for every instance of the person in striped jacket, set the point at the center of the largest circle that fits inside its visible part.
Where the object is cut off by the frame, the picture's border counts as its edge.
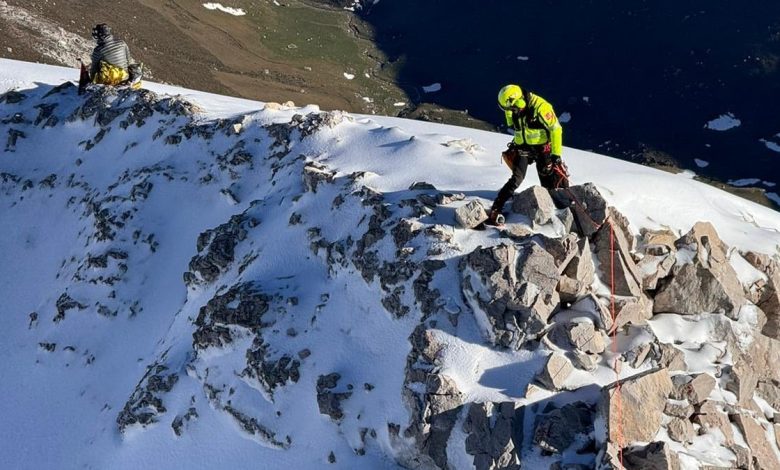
(112, 63)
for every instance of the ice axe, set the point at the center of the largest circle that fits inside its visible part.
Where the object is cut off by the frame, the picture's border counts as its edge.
(83, 77)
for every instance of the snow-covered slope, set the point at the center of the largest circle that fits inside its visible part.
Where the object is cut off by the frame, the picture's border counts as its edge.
(196, 281)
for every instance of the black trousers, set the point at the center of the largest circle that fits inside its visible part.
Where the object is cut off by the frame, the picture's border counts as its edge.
(519, 158)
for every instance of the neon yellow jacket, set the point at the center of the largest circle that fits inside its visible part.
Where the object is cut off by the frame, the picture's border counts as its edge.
(537, 125)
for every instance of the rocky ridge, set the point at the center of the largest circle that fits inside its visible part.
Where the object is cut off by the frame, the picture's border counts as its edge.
(542, 288)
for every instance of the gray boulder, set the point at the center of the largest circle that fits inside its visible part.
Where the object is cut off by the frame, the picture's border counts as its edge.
(653, 456)
(490, 429)
(555, 372)
(590, 208)
(638, 411)
(536, 204)
(470, 214)
(707, 283)
(612, 245)
(769, 297)
(514, 286)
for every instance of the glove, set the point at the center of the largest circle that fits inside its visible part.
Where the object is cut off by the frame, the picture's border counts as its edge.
(551, 162)
(512, 145)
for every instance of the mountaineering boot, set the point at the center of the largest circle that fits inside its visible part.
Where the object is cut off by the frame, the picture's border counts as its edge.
(495, 218)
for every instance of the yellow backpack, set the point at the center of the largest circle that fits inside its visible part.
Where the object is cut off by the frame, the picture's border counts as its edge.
(110, 75)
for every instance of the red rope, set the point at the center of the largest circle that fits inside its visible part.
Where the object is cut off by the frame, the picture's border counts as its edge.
(615, 367)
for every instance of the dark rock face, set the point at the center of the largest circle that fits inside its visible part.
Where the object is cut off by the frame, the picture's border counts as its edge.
(494, 435)
(253, 427)
(179, 422)
(328, 400)
(217, 316)
(556, 431)
(270, 373)
(145, 405)
(656, 455)
(65, 303)
(216, 249)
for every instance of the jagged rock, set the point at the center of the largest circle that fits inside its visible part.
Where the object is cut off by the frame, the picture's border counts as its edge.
(243, 305)
(671, 358)
(270, 373)
(536, 204)
(516, 232)
(555, 372)
(585, 361)
(653, 268)
(769, 298)
(658, 242)
(743, 380)
(145, 404)
(537, 276)
(632, 311)
(443, 394)
(612, 245)
(764, 455)
(13, 136)
(744, 457)
(329, 401)
(708, 283)
(581, 265)
(253, 427)
(569, 289)
(680, 430)
(491, 437)
(591, 306)
(556, 431)
(710, 417)
(699, 388)
(180, 421)
(434, 411)
(422, 186)
(65, 303)
(586, 338)
(609, 458)
(682, 410)
(777, 434)
(219, 245)
(314, 174)
(448, 198)
(470, 214)
(763, 355)
(563, 250)
(641, 405)
(636, 357)
(405, 230)
(590, 213)
(770, 392)
(313, 122)
(515, 291)
(653, 456)
(12, 97)
(566, 216)
(428, 299)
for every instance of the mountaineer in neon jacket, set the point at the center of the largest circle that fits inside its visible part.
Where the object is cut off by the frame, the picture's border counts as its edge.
(538, 138)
